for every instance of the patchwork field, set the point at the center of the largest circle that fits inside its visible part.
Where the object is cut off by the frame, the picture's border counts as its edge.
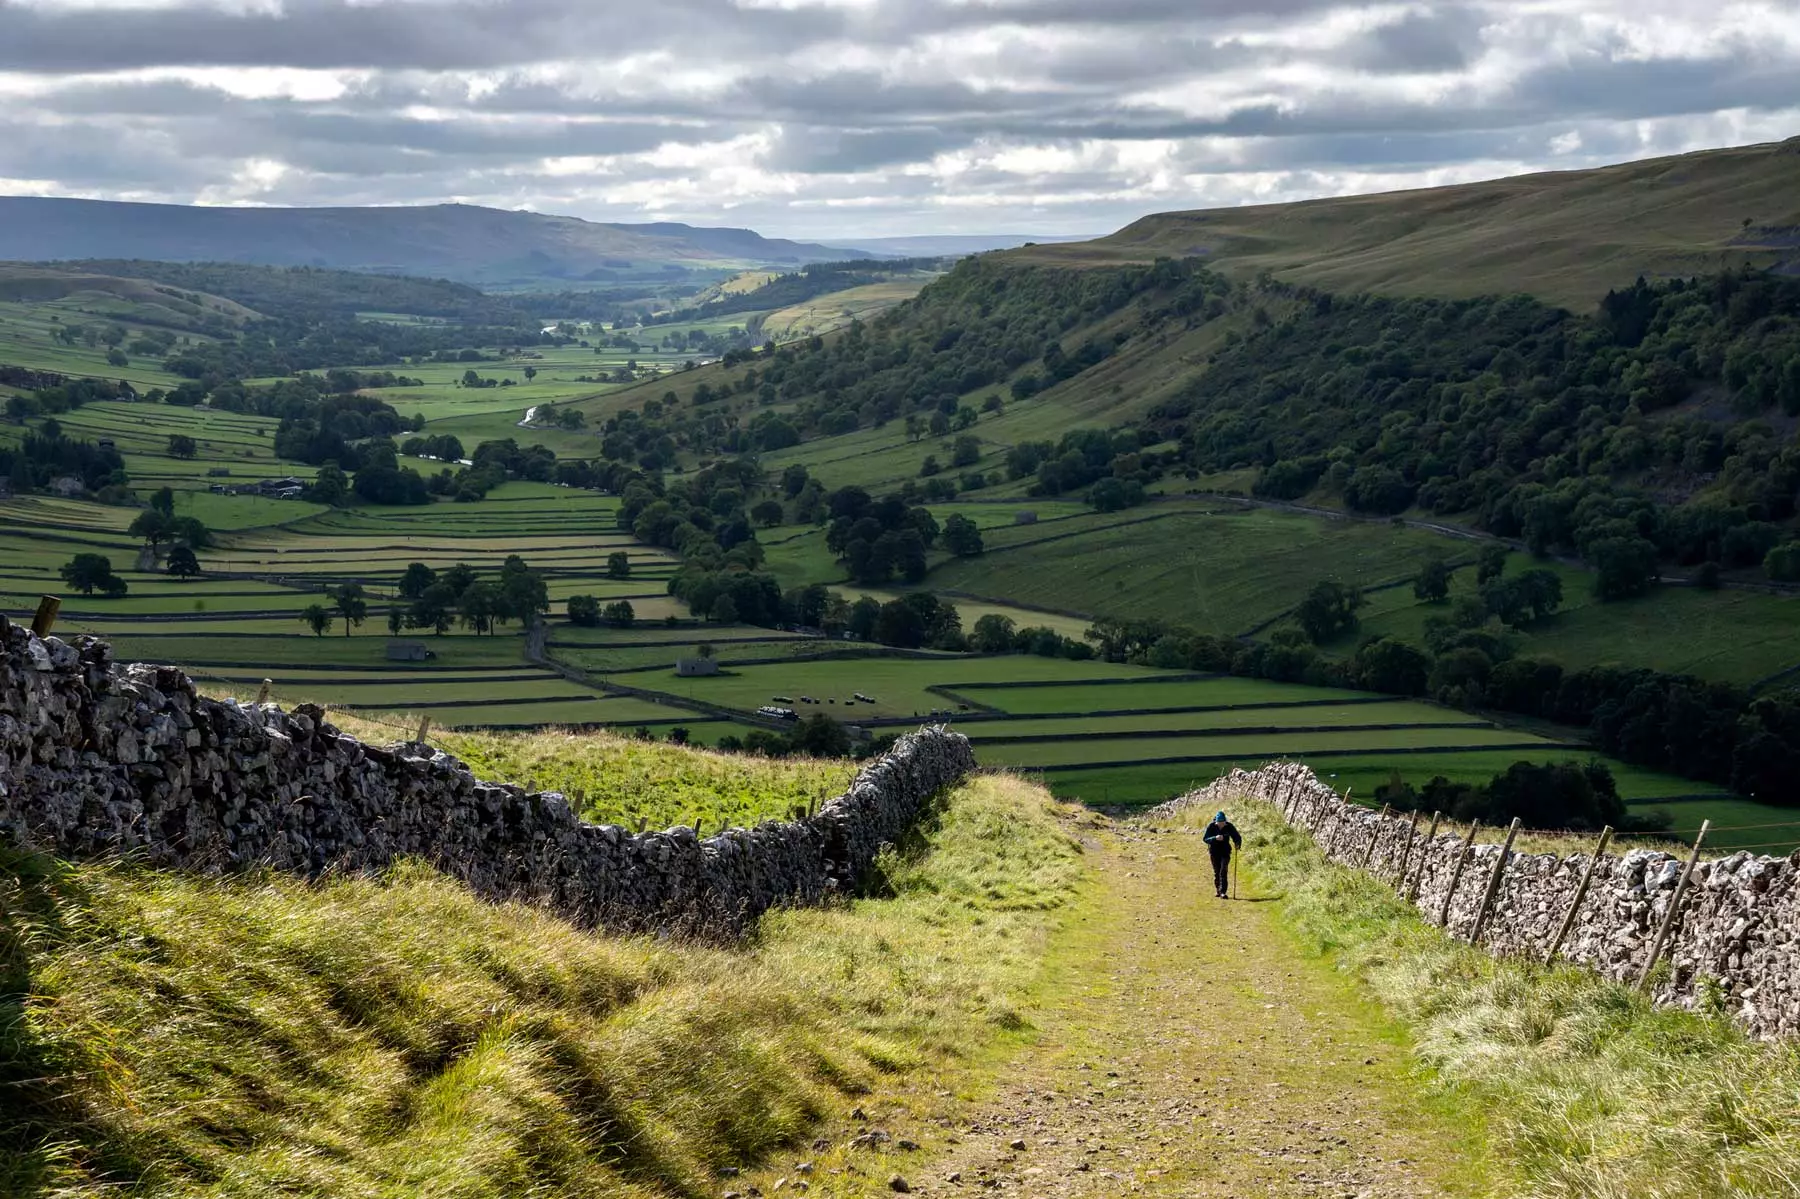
(1221, 570)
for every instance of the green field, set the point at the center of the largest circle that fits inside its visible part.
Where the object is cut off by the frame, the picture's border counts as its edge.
(1135, 733)
(1733, 636)
(1219, 571)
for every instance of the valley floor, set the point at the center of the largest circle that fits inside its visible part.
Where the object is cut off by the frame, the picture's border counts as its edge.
(1186, 1047)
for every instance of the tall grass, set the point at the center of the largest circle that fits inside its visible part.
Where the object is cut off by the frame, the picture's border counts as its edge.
(618, 780)
(177, 1035)
(1592, 1091)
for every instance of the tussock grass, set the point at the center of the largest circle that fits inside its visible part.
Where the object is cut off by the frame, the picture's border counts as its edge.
(618, 780)
(1592, 1091)
(170, 1034)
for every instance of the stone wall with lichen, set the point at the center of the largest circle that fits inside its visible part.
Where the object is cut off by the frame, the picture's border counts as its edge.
(1735, 938)
(98, 759)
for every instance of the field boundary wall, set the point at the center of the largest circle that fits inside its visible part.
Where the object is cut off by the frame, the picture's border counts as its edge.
(1735, 940)
(99, 759)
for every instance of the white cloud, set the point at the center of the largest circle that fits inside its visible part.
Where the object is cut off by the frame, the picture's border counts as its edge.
(818, 118)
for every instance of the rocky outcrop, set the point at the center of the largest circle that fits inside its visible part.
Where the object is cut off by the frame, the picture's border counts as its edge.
(101, 759)
(1735, 938)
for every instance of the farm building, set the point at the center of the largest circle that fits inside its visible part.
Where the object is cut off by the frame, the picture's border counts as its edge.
(689, 668)
(407, 651)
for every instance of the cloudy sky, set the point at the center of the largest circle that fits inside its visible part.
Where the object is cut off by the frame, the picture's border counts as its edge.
(818, 118)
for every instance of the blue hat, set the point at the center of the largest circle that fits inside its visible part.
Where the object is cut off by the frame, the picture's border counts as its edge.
(1219, 816)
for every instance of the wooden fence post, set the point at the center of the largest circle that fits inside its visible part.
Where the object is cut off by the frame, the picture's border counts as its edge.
(424, 730)
(262, 692)
(1374, 836)
(1587, 876)
(1493, 887)
(1412, 893)
(1462, 858)
(45, 620)
(1668, 920)
(1412, 831)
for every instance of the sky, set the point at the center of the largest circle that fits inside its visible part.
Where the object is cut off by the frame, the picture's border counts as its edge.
(864, 118)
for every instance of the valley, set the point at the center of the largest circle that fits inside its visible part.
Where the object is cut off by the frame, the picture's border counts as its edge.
(1092, 428)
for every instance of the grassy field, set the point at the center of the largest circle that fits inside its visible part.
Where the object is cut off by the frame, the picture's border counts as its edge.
(1732, 636)
(615, 780)
(1589, 230)
(364, 1036)
(1219, 571)
(837, 309)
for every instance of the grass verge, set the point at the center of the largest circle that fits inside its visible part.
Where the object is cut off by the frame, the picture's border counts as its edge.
(1591, 1090)
(176, 1035)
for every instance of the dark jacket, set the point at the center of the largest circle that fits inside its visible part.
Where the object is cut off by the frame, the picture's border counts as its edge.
(1221, 837)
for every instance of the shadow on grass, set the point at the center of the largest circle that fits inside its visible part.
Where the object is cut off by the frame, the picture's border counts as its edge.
(44, 1131)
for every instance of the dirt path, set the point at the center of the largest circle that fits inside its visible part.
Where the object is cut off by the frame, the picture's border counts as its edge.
(1187, 1049)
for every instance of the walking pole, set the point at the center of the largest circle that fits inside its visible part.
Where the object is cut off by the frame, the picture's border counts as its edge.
(1234, 865)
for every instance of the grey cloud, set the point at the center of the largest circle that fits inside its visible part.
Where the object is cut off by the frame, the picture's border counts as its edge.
(551, 90)
(1443, 39)
(341, 33)
(833, 151)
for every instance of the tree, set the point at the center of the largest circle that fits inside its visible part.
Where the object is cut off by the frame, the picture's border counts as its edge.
(330, 486)
(767, 513)
(350, 605)
(1432, 584)
(1328, 610)
(182, 562)
(190, 531)
(1491, 563)
(962, 536)
(618, 565)
(482, 607)
(620, 614)
(967, 449)
(182, 446)
(396, 620)
(993, 633)
(724, 610)
(318, 618)
(1624, 566)
(530, 373)
(1392, 667)
(584, 610)
(415, 579)
(88, 573)
(819, 736)
(152, 526)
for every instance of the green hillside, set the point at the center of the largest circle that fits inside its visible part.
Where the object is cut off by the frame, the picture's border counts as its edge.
(1027, 473)
(1567, 237)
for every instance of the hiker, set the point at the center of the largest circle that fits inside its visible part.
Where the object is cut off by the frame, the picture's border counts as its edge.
(1221, 835)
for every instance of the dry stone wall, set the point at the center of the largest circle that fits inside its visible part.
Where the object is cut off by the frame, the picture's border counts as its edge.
(1737, 930)
(98, 758)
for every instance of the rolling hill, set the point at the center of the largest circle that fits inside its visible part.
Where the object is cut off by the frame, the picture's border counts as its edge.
(455, 241)
(1566, 237)
(151, 303)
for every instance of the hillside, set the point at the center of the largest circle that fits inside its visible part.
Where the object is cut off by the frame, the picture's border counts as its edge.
(104, 291)
(1566, 237)
(455, 241)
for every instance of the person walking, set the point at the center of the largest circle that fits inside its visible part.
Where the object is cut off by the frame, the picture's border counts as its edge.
(1221, 836)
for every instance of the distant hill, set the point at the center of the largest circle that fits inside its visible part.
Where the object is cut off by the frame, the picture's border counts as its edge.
(454, 241)
(145, 300)
(946, 247)
(1568, 237)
